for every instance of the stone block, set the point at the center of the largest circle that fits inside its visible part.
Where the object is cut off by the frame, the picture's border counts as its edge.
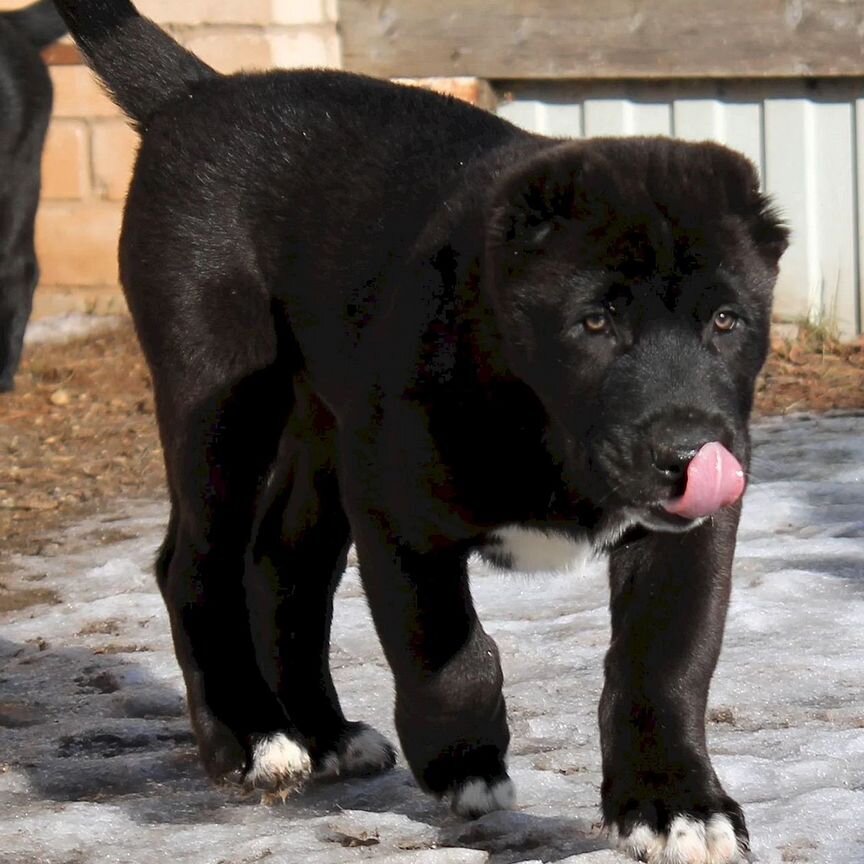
(77, 242)
(66, 161)
(114, 147)
(303, 47)
(77, 93)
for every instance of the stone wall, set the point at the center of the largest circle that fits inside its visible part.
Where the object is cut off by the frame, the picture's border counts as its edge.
(90, 148)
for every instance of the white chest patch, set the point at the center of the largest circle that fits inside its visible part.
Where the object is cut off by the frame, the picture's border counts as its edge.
(530, 550)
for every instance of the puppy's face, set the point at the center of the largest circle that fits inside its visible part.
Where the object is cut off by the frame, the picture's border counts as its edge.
(632, 282)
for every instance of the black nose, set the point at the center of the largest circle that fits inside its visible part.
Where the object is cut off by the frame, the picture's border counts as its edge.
(671, 461)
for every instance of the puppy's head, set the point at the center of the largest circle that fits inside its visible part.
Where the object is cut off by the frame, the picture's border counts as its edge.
(632, 282)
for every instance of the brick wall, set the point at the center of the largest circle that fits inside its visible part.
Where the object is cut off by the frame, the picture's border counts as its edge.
(90, 149)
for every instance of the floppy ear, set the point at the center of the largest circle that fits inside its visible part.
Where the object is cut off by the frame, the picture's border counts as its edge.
(767, 229)
(528, 202)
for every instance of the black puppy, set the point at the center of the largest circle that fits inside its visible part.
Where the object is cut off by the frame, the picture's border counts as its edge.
(25, 107)
(376, 313)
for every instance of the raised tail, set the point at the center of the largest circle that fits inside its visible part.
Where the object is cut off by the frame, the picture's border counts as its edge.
(40, 23)
(141, 66)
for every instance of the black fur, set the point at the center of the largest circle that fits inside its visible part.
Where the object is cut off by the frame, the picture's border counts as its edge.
(366, 311)
(25, 107)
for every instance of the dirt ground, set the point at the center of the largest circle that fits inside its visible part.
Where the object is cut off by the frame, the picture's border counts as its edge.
(79, 431)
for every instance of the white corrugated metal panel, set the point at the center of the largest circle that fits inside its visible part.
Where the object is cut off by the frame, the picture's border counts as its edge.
(858, 188)
(806, 138)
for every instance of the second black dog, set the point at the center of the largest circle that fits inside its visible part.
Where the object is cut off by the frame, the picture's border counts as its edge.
(25, 107)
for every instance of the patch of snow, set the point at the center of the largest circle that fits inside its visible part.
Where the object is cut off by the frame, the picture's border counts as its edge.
(63, 328)
(97, 763)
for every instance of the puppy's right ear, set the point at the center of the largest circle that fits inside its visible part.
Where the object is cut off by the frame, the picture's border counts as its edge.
(534, 200)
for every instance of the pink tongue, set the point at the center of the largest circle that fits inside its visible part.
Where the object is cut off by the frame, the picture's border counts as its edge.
(714, 479)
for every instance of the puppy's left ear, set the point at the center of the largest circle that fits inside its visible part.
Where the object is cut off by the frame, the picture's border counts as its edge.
(767, 229)
(769, 232)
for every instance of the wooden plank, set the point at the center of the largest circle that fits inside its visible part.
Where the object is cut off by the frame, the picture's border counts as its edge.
(509, 39)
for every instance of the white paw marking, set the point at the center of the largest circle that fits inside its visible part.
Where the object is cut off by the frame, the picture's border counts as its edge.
(529, 550)
(689, 841)
(366, 752)
(477, 798)
(642, 843)
(278, 762)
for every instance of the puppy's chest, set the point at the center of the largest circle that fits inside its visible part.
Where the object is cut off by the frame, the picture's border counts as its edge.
(530, 550)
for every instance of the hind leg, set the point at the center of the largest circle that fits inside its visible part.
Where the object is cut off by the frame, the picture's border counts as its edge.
(221, 422)
(222, 371)
(298, 558)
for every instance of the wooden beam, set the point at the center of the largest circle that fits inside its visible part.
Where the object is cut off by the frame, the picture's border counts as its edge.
(603, 39)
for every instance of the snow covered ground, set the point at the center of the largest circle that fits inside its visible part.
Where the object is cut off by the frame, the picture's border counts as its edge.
(61, 328)
(97, 763)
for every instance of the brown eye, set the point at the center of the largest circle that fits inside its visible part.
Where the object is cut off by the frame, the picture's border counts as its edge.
(725, 321)
(598, 322)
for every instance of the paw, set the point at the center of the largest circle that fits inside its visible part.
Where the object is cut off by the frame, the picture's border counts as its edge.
(278, 765)
(223, 755)
(688, 840)
(361, 752)
(476, 797)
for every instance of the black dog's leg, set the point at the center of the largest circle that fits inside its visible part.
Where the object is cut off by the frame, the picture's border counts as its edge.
(19, 274)
(298, 558)
(220, 447)
(669, 598)
(450, 712)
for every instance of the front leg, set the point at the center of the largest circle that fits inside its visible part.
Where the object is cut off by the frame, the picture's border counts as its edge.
(669, 598)
(450, 712)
